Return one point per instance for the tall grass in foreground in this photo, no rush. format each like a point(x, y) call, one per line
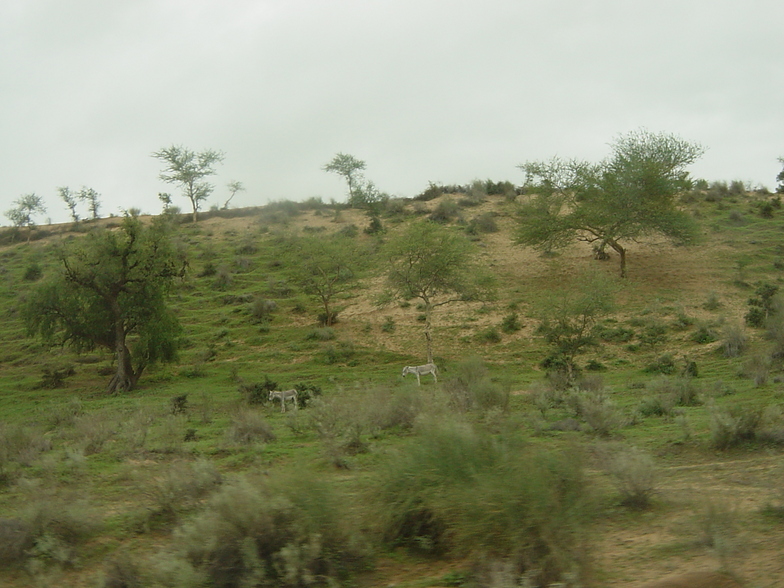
point(457, 491)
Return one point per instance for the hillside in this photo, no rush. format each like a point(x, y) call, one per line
point(97, 488)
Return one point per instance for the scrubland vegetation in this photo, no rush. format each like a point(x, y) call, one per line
point(586, 429)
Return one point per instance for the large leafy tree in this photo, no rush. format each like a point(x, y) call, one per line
point(436, 265)
point(111, 294)
point(780, 178)
point(629, 196)
point(188, 169)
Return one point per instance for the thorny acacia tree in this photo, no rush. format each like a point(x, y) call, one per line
point(111, 294)
point(568, 318)
point(27, 205)
point(629, 196)
point(434, 264)
point(350, 168)
point(327, 268)
point(188, 169)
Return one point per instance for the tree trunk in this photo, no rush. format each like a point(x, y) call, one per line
point(428, 332)
point(125, 379)
point(621, 253)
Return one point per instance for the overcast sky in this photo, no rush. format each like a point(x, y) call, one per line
point(422, 90)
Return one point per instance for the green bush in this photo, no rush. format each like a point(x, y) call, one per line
point(456, 491)
point(511, 323)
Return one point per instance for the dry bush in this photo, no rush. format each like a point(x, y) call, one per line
point(733, 425)
point(734, 339)
point(16, 538)
point(122, 572)
point(249, 426)
point(599, 412)
point(634, 474)
point(180, 488)
point(669, 392)
point(472, 389)
point(20, 445)
point(291, 531)
point(58, 528)
point(92, 431)
point(757, 368)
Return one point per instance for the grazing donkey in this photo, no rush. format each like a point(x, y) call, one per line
point(422, 370)
point(283, 397)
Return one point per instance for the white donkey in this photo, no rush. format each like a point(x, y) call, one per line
point(283, 397)
point(422, 370)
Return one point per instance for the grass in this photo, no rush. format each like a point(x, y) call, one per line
point(154, 478)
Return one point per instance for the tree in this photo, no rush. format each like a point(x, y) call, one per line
point(629, 196)
point(92, 198)
point(350, 168)
point(567, 320)
point(327, 268)
point(234, 186)
point(188, 169)
point(85, 195)
point(26, 206)
point(780, 178)
point(434, 264)
point(111, 294)
point(70, 201)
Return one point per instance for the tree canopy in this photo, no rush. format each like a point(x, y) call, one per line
point(21, 215)
point(188, 169)
point(434, 264)
point(111, 294)
point(629, 196)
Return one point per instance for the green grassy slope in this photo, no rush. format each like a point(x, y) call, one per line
point(123, 472)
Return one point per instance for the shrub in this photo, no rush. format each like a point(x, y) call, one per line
point(445, 211)
point(16, 539)
point(289, 531)
point(484, 223)
point(511, 323)
point(306, 393)
point(122, 572)
point(733, 425)
point(249, 426)
point(599, 412)
point(471, 387)
point(58, 528)
point(634, 474)
point(180, 488)
point(257, 392)
point(33, 272)
point(261, 309)
point(671, 392)
point(489, 335)
point(454, 490)
point(664, 364)
point(389, 325)
point(321, 334)
point(734, 340)
point(704, 334)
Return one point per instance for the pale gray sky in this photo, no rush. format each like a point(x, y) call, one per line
point(422, 90)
